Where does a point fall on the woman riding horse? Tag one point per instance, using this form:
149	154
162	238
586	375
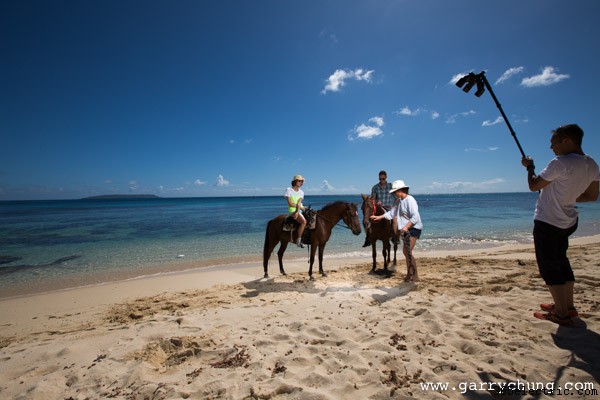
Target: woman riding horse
326	219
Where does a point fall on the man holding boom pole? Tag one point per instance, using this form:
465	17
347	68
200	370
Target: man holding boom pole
571	177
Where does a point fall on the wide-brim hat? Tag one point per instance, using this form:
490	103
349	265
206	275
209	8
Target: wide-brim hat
397	185
298	178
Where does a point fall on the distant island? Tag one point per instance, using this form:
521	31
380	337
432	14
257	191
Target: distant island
122	196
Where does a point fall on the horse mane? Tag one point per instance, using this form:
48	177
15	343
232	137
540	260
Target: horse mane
334	203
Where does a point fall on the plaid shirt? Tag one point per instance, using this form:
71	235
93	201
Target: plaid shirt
383	195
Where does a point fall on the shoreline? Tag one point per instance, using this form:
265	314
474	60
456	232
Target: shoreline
236	263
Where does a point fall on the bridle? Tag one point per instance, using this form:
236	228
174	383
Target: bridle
348	211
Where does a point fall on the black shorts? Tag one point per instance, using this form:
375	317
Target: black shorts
414	232
551	244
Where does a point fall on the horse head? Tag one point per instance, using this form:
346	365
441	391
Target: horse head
351	218
368	208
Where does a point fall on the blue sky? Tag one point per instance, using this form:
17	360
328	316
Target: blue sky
231	98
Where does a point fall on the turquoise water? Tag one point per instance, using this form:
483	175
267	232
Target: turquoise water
56	244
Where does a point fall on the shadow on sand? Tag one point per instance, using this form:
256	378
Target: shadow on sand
379	279
584	346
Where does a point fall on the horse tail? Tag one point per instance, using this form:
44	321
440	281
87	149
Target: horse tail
268	247
266	252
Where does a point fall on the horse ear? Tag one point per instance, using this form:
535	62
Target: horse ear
364	197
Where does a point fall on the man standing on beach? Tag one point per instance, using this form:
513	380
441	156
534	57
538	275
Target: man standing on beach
571	177
380	192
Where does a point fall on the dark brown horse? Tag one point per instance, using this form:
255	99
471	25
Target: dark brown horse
326	219
378	230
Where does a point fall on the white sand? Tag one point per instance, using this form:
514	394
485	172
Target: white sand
228	333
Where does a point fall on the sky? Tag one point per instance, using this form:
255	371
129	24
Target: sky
186	98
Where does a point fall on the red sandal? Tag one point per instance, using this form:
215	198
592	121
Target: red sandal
551	308
552	317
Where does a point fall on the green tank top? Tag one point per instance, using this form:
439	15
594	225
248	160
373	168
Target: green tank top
294	196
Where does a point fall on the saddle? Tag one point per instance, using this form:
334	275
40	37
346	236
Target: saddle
290	224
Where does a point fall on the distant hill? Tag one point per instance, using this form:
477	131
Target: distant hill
122	196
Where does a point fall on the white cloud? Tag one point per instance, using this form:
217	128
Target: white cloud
367	132
460	186
370	131
198	182
326	34
490	148
547	77
509	73
340	76
377	121
408	112
452	119
326	186
222	181
456	77
494	122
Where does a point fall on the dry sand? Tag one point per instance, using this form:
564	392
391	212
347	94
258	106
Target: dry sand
227	333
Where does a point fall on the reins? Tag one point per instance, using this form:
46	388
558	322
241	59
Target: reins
331	222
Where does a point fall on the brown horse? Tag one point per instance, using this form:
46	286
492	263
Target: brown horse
378	230
326	219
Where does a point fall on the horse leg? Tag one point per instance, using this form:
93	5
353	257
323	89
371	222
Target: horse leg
374	251
270	244
321	252
386	254
311	261
280	252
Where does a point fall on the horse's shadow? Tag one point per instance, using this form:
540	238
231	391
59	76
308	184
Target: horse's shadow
270	285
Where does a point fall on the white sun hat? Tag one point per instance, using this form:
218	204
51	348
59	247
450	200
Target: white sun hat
397	185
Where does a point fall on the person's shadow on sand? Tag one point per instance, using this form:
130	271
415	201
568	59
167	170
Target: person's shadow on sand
584	346
393	292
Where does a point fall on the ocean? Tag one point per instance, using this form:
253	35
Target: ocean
50	245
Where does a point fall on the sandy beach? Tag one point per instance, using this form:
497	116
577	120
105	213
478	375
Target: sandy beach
228	333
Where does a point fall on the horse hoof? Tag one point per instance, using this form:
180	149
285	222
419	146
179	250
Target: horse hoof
323	274
266	276
283	273
311	278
